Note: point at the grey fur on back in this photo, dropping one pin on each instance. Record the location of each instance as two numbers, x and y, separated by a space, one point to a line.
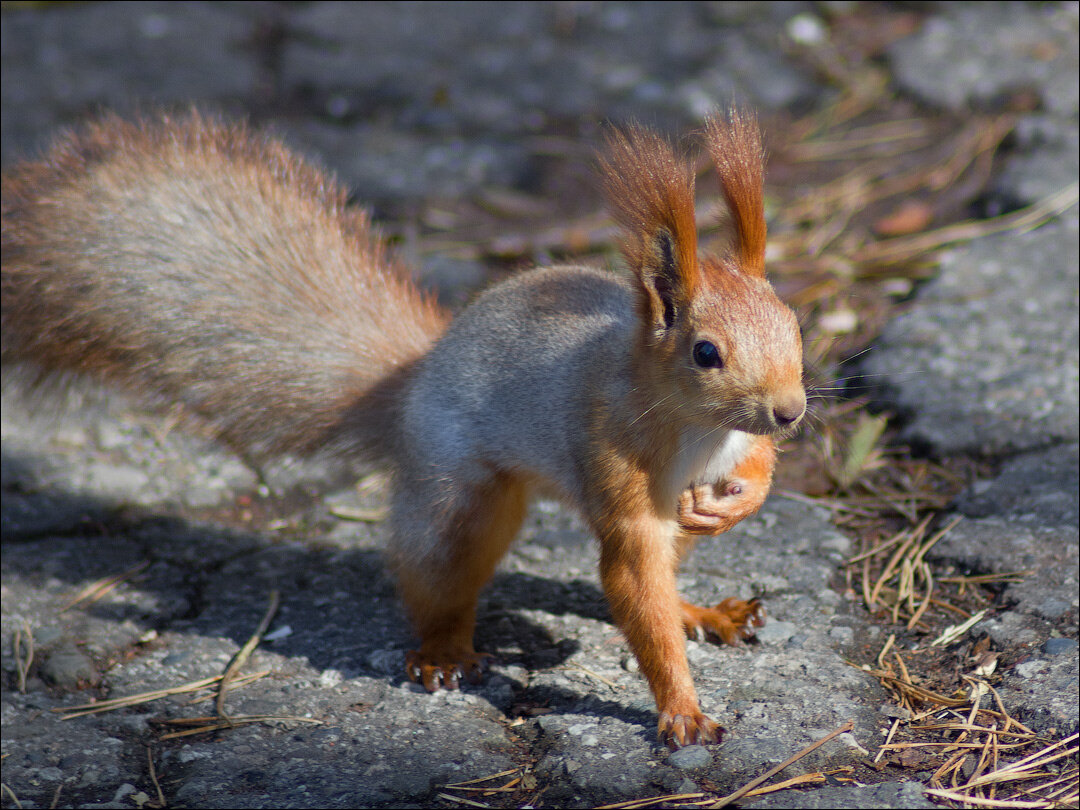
546 335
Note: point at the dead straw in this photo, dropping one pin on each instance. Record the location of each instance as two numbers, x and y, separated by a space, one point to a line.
461 800
907 248
245 652
203 725
985 733
683 800
753 783
100 706
4 788
161 803
98 589
22 645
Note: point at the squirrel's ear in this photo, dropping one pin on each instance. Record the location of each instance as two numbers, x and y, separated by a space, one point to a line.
661 277
735 148
650 193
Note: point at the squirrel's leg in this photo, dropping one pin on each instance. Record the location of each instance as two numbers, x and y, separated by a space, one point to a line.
731 621
713 509
445 551
637 568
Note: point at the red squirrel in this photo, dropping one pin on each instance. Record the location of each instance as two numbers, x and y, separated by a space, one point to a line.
204 264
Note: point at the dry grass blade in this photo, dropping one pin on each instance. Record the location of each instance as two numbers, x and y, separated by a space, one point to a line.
908 692
210 692
950 746
509 787
358 514
905 586
460 800
245 653
973 801
70 712
161 803
1027 782
578 668
1026 735
1023 768
911 538
479 779
518 779
22 648
204 725
96 590
905 248
875 179
682 799
753 783
816 778
957 631
880 548
862 449
5 789
988 579
846 146
1052 789
831 504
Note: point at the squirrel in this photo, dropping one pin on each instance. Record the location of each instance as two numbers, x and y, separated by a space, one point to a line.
202 263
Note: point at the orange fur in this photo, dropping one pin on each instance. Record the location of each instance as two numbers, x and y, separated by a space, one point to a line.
443 608
651 192
736 150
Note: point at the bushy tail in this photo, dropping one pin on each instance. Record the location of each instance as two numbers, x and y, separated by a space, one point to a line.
206 265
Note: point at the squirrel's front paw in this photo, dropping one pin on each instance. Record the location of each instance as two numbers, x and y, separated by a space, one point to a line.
700 511
730 622
445 670
692 728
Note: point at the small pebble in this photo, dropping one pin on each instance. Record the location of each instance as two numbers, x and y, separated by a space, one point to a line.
690 758
1060 646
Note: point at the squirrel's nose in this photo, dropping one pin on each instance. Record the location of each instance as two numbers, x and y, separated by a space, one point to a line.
787 414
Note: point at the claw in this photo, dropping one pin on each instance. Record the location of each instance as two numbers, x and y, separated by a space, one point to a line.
677 731
445 671
730 622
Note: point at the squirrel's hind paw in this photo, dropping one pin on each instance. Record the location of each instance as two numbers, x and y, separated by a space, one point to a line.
445 670
730 622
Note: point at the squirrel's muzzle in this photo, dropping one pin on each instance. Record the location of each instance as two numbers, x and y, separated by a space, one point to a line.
789 411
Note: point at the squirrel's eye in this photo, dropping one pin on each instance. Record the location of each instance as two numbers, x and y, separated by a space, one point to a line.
707 355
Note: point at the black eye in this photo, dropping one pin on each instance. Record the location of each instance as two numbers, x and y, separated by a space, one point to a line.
706 355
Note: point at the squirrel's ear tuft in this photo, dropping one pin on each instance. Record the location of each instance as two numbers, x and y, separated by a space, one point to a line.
735 147
650 192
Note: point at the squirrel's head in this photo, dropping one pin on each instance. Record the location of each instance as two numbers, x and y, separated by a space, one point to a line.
712 329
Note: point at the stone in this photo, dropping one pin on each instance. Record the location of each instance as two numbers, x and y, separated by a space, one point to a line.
690 758
987 359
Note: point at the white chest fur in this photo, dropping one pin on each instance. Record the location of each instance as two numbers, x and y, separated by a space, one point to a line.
704 456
